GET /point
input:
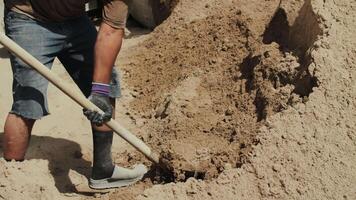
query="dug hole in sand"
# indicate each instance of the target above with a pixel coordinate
(245, 99)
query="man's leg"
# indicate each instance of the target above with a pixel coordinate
(103, 165)
(17, 133)
(29, 87)
(79, 62)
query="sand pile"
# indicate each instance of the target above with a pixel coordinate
(299, 70)
(246, 99)
(205, 87)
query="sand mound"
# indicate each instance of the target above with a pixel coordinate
(246, 100)
(305, 138)
(205, 87)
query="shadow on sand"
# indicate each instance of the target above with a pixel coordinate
(4, 53)
(62, 155)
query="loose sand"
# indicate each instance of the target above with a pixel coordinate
(245, 99)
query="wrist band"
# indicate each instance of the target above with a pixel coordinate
(100, 88)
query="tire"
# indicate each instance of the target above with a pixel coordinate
(150, 13)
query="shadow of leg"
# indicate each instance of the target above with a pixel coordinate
(4, 53)
(62, 155)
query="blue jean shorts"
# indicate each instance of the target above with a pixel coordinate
(72, 42)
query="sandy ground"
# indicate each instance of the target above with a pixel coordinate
(256, 100)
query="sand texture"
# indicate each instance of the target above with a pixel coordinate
(244, 100)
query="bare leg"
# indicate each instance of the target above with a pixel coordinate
(16, 137)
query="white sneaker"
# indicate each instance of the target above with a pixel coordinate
(121, 177)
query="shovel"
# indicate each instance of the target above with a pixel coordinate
(77, 97)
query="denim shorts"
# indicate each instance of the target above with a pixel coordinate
(72, 42)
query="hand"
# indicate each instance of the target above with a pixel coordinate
(103, 102)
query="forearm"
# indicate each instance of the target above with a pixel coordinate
(107, 47)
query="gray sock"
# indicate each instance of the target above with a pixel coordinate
(103, 166)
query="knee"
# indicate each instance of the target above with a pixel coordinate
(19, 121)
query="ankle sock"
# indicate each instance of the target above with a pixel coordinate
(103, 166)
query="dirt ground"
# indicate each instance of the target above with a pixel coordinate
(245, 99)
